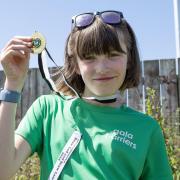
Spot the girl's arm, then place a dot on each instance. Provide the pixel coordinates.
(15, 62)
(13, 149)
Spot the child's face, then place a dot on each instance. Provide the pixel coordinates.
(103, 75)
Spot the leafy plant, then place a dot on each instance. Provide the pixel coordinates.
(30, 170)
(172, 138)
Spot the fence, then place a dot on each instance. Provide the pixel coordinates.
(157, 74)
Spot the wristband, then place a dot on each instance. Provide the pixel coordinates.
(10, 96)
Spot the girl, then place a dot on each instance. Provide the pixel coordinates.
(92, 136)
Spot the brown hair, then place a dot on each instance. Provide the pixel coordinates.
(97, 39)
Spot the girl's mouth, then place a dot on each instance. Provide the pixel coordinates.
(103, 78)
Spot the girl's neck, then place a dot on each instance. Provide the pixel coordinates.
(115, 104)
(116, 98)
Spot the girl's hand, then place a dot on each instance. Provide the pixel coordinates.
(15, 61)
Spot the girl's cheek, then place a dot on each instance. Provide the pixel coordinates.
(89, 67)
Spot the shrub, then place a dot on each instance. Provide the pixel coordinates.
(30, 170)
(172, 138)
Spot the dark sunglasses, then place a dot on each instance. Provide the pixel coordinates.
(86, 19)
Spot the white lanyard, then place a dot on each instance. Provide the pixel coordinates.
(64, 155)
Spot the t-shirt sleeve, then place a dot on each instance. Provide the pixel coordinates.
(30, 128)
(157, 166)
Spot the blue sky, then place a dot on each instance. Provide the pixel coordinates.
(152, 21)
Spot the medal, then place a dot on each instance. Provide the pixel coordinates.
(38, 42)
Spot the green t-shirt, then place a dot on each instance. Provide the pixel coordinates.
(117, 143)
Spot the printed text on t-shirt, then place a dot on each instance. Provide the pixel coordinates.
(124, 137)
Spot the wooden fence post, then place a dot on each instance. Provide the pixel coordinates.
(135, 95)
(169, 89)
(151, 80)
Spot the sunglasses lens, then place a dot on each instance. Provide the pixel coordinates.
(111, 17)
(84, 20)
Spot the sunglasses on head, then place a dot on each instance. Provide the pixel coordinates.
(86, 19)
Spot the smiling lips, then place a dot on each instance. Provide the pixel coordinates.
(103, 78)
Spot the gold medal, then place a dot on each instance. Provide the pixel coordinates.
(38, 42)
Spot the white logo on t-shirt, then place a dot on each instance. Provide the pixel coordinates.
(124, 137)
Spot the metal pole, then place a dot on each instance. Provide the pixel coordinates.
(177, 30)
(177, 36)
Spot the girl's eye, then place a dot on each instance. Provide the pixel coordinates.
(115, 54)
(90, 57)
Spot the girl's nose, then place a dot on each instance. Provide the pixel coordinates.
(102, 66)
